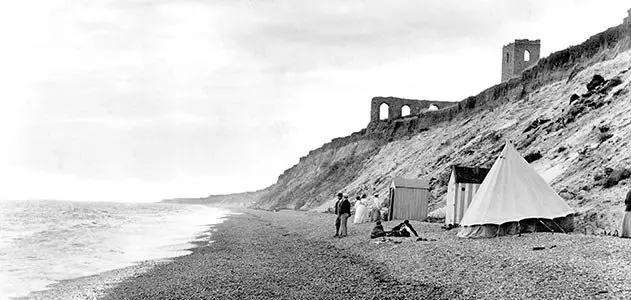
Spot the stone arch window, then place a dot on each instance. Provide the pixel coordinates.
(405, 111)
(507, 57)
(384, 110)
(432, 107)
(526, 55)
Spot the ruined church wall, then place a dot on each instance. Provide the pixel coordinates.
(395, 106)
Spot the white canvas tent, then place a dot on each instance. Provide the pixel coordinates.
(513, 199)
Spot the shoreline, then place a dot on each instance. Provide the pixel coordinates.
(93, 286)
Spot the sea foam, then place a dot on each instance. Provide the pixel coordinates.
(42, 242)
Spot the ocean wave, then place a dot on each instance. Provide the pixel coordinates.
(49, 241)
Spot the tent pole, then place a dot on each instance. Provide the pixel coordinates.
(544, 224)
(557, 224)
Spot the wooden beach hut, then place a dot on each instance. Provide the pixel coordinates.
(463, 184)
(408, 199)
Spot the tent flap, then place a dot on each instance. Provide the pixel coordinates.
(563, 225)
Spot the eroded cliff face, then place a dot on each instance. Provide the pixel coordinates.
(579, 146)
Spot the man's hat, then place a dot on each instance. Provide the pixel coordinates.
(339, 194)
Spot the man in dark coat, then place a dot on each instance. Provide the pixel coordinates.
(337, 214)
(344, 212)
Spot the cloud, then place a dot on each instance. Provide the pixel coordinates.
(171, 119)
(293, 36)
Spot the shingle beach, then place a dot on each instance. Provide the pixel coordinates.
(292, 255)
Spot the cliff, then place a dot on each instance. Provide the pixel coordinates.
(576, 137)
(228, 200)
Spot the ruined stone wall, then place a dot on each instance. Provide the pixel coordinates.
(395, 106)
(508, 52)
(513, 62)
(560, 65)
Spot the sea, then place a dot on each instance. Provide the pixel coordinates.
(44, 242)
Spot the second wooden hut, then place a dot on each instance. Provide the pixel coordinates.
(408, 199)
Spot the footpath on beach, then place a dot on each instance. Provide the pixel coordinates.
(292, 255)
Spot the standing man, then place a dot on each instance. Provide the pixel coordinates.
(626, 221)
(337, 214)
(344, 213)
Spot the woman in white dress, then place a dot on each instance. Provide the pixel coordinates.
(375, 209)
(362, 210)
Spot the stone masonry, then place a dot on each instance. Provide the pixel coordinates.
(514, 54)
(395, 106)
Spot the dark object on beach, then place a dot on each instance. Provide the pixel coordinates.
(449, 226)
(377, 231)
(574, 97)
(401, 230)
(538, 248)
(399, 233)
(597, 80)
(553, 246)
(425, 240)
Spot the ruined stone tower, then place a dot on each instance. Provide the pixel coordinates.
(518, 56)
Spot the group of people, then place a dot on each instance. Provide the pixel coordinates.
(369, 210)
(366, 210)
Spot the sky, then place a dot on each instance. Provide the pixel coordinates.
(141, 100)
